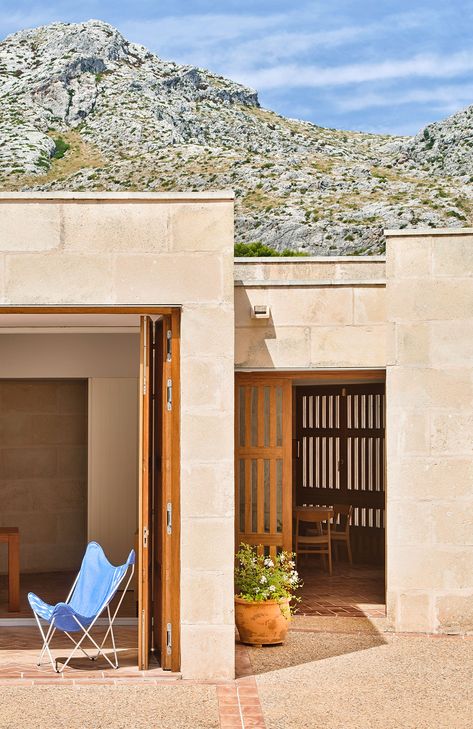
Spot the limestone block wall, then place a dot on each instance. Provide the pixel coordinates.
(155, 249)
(429, 392)
(325, 312)
(43, 471)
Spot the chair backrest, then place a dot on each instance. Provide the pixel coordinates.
(342, 515)
(312, 515)
(98, 581)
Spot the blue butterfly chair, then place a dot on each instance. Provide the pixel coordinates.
(92, 591)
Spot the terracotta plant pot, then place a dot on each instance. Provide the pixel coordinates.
(262, 623)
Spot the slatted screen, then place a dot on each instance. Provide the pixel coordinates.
(263, 463)
(341, 457)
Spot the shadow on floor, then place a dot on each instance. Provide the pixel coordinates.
(310, 640)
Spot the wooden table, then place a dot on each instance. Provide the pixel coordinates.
(11, 536)
(326, 512)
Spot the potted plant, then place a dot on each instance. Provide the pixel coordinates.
(264, 588)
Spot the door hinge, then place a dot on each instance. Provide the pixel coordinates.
(145, 536)
(168, 345)
(144, 385)
(169, 639)
(169, 518)
(169, 394)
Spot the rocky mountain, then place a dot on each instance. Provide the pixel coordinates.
(81, 108)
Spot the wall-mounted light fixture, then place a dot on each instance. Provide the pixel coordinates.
(260, 311)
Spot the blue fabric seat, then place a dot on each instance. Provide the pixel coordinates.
(94, 588)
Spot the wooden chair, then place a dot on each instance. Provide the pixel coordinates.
(340, 532)
(317, 541)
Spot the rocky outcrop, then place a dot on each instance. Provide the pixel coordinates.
(81, 108)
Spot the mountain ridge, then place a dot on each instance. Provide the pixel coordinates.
(82, 108)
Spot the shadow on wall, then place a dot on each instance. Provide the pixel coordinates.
(252, 335)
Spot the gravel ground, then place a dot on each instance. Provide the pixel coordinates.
(103, 707)
(366, 682)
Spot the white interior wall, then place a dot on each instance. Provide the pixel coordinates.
(113, 459)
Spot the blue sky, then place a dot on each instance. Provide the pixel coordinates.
(380, 66)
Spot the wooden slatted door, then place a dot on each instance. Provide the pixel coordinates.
(341, 457)
(263, 469)
(145, 478)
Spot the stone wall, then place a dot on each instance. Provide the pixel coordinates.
(43, 471)
(155, 249)
(325, 312)
(430, 430)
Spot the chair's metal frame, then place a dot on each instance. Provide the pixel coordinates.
(47, 638)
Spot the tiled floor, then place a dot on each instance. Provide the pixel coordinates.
(351, 591)
(52, 587)
(19, 649)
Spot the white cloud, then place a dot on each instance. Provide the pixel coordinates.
(315, 76)
(442, 98)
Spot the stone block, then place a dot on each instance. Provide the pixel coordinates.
(453, 522)
(207, 544)
(207, 597)
(415, 612)
(412, 344)
(369, 305)
(207, 437)
(208, 652)
(208, 329)
(356, 346)
(454, 613)
(206, 226)
(206, 384)
(308, 306)
(207, 490)
(430, 479)
(27, 396)
(35, 228)
(74, 279)
(170, 279)
(59, 429)
(436, 299)
(452, 343)
(408, 523)
(409, 257)
(72, 397)
(407, 430)
(113, 227)
(431, 388)
(72, 462)
(430, 567)
(272, 348)
(452, 255)
(452, 433)
(28, 462)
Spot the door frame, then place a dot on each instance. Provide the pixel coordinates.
(145, 310)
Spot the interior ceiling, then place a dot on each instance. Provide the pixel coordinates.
(9, 322)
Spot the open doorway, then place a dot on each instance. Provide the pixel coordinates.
(307, 440)
(339, 465)
(88, 444)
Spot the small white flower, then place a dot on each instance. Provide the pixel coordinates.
(268, 562)
(292, 563)
(263, 580)
(272, 588)
(282, 557)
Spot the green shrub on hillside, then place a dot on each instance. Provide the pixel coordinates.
(259, 250)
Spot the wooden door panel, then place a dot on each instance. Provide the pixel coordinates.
(166, 530)
(263, 468)
(144, 491)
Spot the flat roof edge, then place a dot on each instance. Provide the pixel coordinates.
(426, 232)
(218, 195)
(310, 259)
